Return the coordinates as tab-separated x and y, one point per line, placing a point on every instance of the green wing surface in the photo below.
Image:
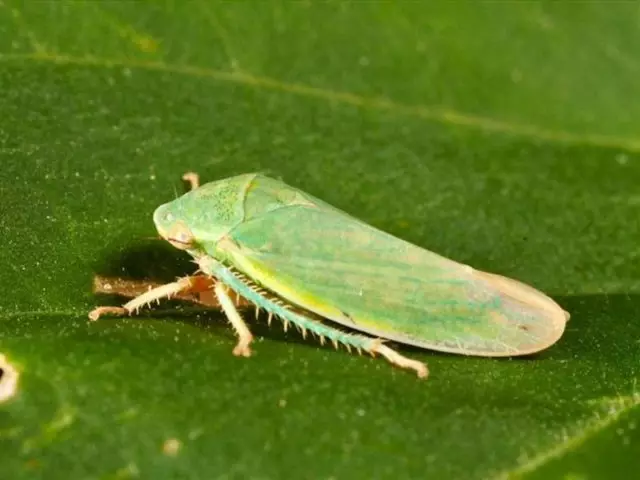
330	263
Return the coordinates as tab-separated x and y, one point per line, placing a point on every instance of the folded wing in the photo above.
340	268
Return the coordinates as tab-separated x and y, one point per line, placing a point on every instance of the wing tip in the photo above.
532	297
524	293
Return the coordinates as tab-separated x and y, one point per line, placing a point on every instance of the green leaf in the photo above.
501	135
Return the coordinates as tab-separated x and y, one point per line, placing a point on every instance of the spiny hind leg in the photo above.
244	334
244	287
193	284
401	361
337	337
361	342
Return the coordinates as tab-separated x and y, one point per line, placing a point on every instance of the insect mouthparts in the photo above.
177	240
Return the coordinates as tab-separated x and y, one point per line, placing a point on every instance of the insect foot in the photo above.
97	312
242	348
402	361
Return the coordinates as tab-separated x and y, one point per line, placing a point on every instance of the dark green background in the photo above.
503	135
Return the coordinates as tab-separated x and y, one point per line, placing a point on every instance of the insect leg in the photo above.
244	334
198	283
400	360
275	306
193	179
337	336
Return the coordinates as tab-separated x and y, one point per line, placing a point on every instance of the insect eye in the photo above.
184	237
180	236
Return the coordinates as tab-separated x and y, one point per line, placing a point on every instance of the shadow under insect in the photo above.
605	322
128	273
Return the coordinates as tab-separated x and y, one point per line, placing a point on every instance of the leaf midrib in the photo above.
445	116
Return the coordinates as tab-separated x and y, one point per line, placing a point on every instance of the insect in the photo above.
318	268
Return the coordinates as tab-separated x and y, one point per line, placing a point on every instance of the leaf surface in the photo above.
500	135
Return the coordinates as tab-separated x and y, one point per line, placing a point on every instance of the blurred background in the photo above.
500	134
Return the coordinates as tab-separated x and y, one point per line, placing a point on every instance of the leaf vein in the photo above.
445	116
144	42
212	17
621	406
20	22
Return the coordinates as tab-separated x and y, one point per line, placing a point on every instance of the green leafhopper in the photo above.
316	267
